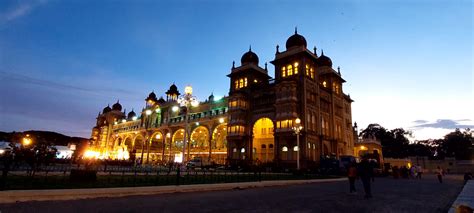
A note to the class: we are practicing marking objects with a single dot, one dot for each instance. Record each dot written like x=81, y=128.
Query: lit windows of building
x=290, y=70
x=283, y=72
x=325, y=84
x=296, y=68
x=285, y=124
x=241, y=83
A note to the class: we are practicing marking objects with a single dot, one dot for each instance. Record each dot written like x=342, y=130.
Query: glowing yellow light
x=197, y=123
x=221, y=120
x=255, y=81
x=324, y=84
x=298, y=121
x=26, y=141
x=168, y=135
x=134, y=118
x=148, y=112
x=91, y=154
x=2, y=151
x=296, y=64
x=188, y=90
x=175, y=108
x=363, y=148
x=115, y=122
x=194, y=103
x=157, y=110
x=158, y=136
x=409, y=165
x=123, y=120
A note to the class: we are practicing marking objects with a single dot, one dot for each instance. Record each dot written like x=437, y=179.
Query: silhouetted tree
x=458, y=144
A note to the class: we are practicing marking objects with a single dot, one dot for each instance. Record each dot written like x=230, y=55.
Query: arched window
x=296, y=68
x=284, y=149
x=325, y=84
x=283, y=72
x=245, y=82
x=295, y=148
x=290, y=70
x=241, y=83
x=236, y=84
x=264, y=146
x=312, y=73
x=307, y=70
x=270, y=146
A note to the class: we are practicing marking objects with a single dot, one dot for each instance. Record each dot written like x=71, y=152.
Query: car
x=199, y=162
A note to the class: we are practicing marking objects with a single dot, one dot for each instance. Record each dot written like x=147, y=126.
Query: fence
x=59, y=177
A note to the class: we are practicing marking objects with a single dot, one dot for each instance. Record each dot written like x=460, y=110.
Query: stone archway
x=177, y=142
x=199, y=143
x=263, y=146
x=139, y=147
x=219, y=144
x=156, y=148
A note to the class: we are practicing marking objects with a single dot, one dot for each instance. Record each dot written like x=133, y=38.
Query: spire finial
x=296, y=30
x=265, y=65
x=250, y=48
x=339, y=70
x=233, y=64
x=314, y=50
x=322, y=52
x=132, y=109
x=278, y=48
x=118, y=100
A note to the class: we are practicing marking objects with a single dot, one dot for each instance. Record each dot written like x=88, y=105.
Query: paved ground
x=390, y=195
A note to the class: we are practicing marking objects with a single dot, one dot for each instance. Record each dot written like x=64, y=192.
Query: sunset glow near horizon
x=407, y=64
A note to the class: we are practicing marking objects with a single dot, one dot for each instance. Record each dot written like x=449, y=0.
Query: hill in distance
x=40, y=137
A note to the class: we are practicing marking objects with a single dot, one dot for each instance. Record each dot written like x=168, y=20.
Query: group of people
x=365, y=171
x=405, y=172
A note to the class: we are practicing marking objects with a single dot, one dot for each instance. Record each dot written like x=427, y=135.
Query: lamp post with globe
x=187, y=100
x=297, y=128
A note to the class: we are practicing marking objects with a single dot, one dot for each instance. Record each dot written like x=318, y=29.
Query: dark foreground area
x=389, y=195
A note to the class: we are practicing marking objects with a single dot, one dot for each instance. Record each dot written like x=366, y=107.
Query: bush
x=83, y=175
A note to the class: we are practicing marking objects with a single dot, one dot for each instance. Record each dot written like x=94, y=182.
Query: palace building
x=254, y=123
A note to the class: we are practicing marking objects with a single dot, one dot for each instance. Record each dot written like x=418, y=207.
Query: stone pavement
x=73, y=194
x=466, y=197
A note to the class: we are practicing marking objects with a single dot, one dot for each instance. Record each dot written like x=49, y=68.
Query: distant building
x=254, y=122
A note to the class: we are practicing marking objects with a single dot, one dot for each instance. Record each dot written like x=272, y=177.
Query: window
x=240, y=83
x=284, y=149
x=307, y=70
x=283, y=72
x=290, y=70
x=325, y=84
x=296, y=68
x=312, y=73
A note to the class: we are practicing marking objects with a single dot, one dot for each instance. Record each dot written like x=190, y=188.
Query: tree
x=458, y=144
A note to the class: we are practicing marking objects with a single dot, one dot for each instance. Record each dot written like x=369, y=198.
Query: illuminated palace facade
x=254, y=123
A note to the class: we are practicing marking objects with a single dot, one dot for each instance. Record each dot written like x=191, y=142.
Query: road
x=389, y=195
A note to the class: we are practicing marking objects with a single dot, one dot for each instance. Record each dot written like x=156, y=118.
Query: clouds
x=19, y=10
x=444, y=124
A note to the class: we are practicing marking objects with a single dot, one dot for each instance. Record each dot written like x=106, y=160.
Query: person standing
x=419, y=172
x=439, y=173
x=352, y=175
x=365, y=173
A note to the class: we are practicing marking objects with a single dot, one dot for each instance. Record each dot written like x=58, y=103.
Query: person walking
x=365, y=173
x=352, y=175
x=439, y=173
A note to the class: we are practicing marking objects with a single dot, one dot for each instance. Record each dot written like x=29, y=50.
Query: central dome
x=249, y=58
x=295, y=40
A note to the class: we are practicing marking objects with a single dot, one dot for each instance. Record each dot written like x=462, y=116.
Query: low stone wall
x=449, y=165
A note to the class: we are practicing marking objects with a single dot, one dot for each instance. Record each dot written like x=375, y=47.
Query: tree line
x=395, y=143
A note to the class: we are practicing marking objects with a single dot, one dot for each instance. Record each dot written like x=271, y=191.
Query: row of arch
x=168, y=147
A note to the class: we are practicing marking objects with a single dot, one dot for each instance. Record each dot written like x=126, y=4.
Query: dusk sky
x=407, y=63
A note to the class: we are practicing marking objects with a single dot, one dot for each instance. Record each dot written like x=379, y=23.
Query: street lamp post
x=297, y=128
x=187, y=100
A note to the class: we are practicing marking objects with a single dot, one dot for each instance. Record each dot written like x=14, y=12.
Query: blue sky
x=61, y=62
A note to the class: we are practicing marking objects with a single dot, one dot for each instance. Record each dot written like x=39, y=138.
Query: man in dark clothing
x=365, y=173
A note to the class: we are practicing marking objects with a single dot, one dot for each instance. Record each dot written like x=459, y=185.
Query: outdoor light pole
x=187, y=100
x=297, y=128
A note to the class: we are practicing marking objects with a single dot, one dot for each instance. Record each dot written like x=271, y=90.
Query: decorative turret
x=249, y=58
x=295, y=40
x=117, y=106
